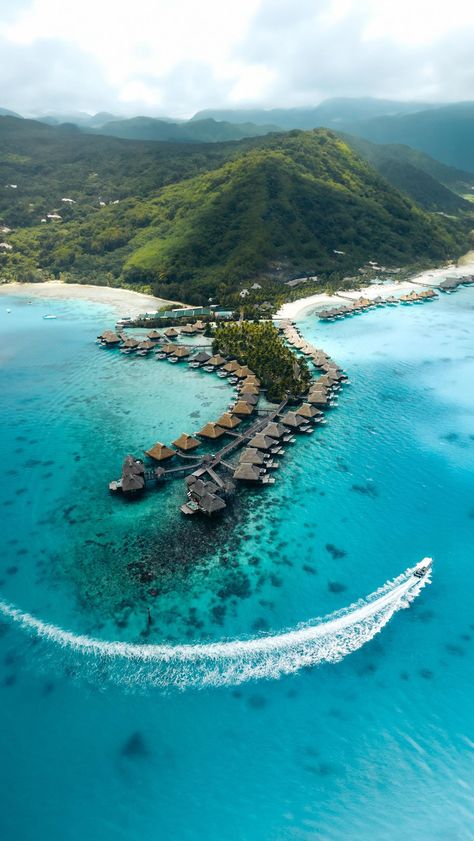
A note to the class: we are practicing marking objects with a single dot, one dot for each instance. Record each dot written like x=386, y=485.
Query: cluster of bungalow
x=364, y=304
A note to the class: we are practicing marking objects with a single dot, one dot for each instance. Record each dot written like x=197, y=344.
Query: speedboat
x=423, y=568
x=49, y=317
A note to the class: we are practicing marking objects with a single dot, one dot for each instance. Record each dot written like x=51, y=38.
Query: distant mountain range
x=445, y=132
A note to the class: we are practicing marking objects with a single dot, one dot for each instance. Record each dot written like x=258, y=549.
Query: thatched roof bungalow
x=249, y=389
x=188, y=330
x=231, y=366
x=308, y=411
x=130, y=343
x=133, y=478
x=229, y=421
x=262, y=442
x=202, y=357
x=243, y=372
x=171, y=333
x=293, y=420
x=252, y=456
x=246, y=472
x=217, y=360
x=274, y=430
x=211, y=431
x=160, y=452
x=154, y=336
x=108, y=337
x=180, y=352
x=211, y=504
x=242, y=407
x=186, y=443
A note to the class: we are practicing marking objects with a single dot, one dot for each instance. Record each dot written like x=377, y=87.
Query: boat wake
x=323, y=640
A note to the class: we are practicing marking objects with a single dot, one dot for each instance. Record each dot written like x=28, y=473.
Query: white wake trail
x=326, y=639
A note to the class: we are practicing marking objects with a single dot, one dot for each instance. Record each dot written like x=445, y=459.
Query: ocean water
x=376, y=745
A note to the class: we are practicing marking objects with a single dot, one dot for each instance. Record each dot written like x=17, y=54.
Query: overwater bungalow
x=216, y=361
x=251, y=381
x=243, y=407
x=154, y=336
x=130, y=344
x=160, y=452
x=391, y=301
x=275, y=430
x=249, y=389
x=199, y=359
x=263, y=442
x=246, y=472
x=231, y=366
x=306, y=410
x=109, y=338
x=210, y=504
x=180, y=352
x=293, y=420
x=212, y=431
x=171, y=333
x=229, y=421
x=188, y=330
x=186, y=443
x=253, y=456
x=146, y=344
x=249, y=398
x=243, y=372
x=318, y=399
x=133, y=475
x=167, y=350
x=199, y=326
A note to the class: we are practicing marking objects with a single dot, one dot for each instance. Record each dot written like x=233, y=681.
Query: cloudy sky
x=177, y=56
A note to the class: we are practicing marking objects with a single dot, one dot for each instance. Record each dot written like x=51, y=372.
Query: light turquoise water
x=379, y=745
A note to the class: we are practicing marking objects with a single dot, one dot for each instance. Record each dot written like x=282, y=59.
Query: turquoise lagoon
x=378, y=745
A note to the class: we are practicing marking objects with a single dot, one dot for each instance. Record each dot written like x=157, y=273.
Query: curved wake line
x=326, y=639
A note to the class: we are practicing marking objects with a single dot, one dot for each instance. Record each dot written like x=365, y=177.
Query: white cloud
x=157, y=55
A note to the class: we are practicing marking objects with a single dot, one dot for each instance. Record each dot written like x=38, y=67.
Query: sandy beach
x=430, y=277
x=124, y=301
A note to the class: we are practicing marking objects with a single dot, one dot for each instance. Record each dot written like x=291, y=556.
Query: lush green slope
x=198, y=220
x=428, y=182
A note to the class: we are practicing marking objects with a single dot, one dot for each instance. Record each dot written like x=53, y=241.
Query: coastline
x=124, y=301
x=430, y=278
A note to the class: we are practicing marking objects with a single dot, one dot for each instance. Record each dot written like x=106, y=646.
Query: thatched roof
x=262, y=442
x=201, y=357
x=181, y=351
x=249, y=398
x=130, y=343
x=318, y=399
x=228, y=420
x=199, y=325
x=108, y=337
x=154, y=335
x=171, y=333
x=242, y=408
x=231, y=366
x=253, y=380
x=188, y=329
x=133, y=478
x=251, y=456
x=200, y=487
x=133, y=465
x=292, y=420
x=146, y=344
x=210, y=503
x=249, y=389
x=168, y=349
x=211, y=430
x=274, y=430
x=244, y=371
x=160, y=452
x=307, y=411
x=216, y=360
x=186, y=442
x=246, y=472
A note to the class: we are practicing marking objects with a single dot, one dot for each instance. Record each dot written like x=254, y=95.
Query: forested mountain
x=431, y=184
x=193, y=220
x=197, y=131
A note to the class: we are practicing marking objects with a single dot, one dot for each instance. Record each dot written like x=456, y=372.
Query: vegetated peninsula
x=195, y=222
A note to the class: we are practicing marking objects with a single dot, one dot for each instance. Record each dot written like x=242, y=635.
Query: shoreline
x=124, y=301
x=428, y=278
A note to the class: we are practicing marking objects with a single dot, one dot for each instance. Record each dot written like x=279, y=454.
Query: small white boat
x=48, y=317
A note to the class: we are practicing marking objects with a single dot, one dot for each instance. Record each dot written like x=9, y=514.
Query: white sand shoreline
x=124, y=301
x=431, y=277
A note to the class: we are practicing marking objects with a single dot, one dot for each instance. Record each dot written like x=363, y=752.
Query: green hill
x=428, y=182
x=199, y=220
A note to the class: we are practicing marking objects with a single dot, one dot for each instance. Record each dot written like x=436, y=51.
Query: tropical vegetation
x=261, y=348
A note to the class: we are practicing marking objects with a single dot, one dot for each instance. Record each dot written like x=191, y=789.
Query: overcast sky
x=175, y=57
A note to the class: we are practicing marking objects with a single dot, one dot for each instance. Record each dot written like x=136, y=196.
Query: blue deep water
x=379, y=745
